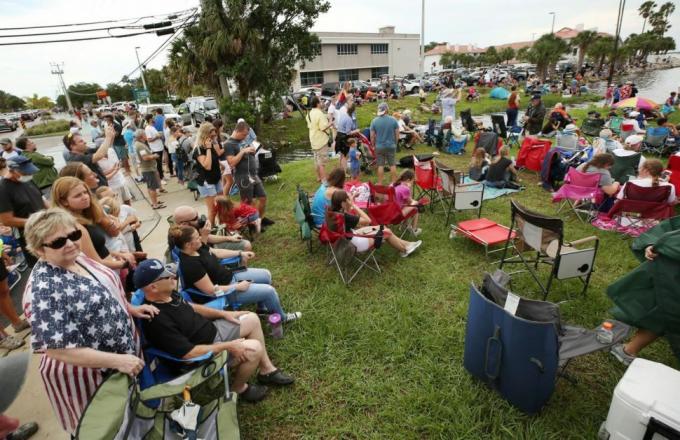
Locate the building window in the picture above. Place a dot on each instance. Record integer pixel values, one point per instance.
(311, 78)
(376, 72)
(347, 49)
(378, 48)
(348, 75)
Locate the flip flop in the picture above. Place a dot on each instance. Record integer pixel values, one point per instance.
(11, 342)
(159, 206)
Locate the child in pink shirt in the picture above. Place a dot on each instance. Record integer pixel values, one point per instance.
(402, 189)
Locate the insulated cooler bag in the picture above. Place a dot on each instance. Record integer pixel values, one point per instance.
(645, 405)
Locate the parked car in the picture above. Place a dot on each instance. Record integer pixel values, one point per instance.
(203, 109)
(330, 88)
(7, 125)
(168, 111)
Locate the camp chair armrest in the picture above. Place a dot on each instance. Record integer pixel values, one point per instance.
(161, 354)
(195, 292)
(583, 240)
(464, 185)
(230, 260)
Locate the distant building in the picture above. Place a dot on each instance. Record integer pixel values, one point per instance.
(347, 56)
(433, 56)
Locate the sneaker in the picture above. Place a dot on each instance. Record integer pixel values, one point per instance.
(11, 342)
(293, 316)
(23, 325)
(267, 222)
(416, 232)
(620, 354)
(276, 377)
(410, 248)
(23, 432)
(254, 393)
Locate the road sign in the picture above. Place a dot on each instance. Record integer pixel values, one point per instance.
(101, 94)
(140, 94)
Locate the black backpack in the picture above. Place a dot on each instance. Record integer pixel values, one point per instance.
(183, 148)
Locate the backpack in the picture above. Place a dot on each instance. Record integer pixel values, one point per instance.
(183, 149)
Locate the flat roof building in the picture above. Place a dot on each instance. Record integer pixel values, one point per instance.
(347, 56)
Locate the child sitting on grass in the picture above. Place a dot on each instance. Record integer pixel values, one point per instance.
(237, 215)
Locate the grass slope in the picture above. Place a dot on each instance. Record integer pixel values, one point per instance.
(383, 358)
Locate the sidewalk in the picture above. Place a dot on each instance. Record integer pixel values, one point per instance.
(32, 403)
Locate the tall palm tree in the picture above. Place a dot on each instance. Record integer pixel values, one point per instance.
(546, 52)
(583, 40)
(646, 10)
(600, 49)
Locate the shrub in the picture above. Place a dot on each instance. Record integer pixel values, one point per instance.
(59, 126)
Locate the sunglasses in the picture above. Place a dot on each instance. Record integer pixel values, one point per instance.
(61, 241)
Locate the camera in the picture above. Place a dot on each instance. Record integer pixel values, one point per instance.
(202, 220)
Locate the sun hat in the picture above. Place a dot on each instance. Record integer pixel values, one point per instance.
(634, 139)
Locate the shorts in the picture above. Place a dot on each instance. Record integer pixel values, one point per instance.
(361, 243)
(232, 245)
(226, 331)
(124, 193)
(321, 156)
(386, 157)
(254, 190)
(210, 189)
(226, 169)
(152, 179)
(341, 146)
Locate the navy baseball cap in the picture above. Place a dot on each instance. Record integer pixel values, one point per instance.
(22, 164)
(149, 271)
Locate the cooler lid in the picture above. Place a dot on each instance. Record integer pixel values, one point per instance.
(651, 386)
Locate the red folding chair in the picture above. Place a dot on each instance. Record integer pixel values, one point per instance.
(485, 232)
(626, 130)
(640, 204)
(532, 152)
(384, 210)
(579, 189)
(426, 180)
(674, 170)
(343, 254)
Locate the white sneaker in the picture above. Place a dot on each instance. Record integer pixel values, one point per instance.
(416, 232)
(410, 248)
(293, 316)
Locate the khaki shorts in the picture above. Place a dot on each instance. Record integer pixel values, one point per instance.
(386, 157)
(321, 156)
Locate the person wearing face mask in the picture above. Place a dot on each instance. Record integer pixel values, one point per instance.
(19, 198)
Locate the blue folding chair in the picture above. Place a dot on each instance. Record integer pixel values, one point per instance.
(220, 302)
(514, 134)
(156, 371)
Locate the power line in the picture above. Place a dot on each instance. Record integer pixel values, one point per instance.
(137, 19)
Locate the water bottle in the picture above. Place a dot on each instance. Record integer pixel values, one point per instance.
(275, 326)
(605, 335)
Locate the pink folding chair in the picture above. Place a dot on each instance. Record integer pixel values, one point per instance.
(580, 190)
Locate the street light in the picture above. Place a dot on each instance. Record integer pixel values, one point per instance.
(552, 29)
(141, 70)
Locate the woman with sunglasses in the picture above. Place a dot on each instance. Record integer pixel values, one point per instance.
(82, 324)
(73, 195)
(206, 153)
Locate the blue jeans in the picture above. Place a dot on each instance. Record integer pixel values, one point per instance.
(179, 166)
(260, 290)
(512, 116)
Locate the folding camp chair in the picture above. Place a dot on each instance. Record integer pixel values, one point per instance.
(673, 168)
(485, 232)
(532, 152)
(615, 124)
(384, 210)
(567, 145)
(498, 124)
(545, 236)
(457, 196)
(624, 167)
(514, 134)
(426, 180)
(591, 127)
(219, 301)
(580, 189)
(488, 140)
(468, 122)
(655, 140)
(343, 254)
(627, 129)
(521, 347)
(303, 217)
(641, 204)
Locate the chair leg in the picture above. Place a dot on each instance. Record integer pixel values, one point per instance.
(547, 287)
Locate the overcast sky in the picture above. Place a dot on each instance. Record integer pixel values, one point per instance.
(25, 70)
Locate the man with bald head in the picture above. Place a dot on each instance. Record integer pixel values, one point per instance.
(186, 215)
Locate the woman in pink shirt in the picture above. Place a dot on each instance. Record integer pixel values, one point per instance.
(402, 189)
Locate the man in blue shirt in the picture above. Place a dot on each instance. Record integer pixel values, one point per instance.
(345, 129)
(129, 136)
(159, 121)
(385, 135)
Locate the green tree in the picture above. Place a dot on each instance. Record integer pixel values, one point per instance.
(449, 59)
(600, 50)
(119, 92)
(506, 54)
(10, 103)
(491, 55)
(82, 92)
(546, 52)
(432, 44)
(646, 9)
(659, 20)
(466, 59)
(34, 102)
(583, 40)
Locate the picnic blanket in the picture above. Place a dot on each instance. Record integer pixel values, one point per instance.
(625, 226)
(490, 192)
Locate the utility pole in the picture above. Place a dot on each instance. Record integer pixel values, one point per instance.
(422, 38)
(619, 22)
(141, 71)
(552, 28)
(58, 69)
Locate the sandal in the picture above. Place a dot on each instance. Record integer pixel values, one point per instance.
(11, 342)
(159, 206)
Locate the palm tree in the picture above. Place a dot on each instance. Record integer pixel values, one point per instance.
(583, 40)
(646, 10)
(659, 19)
(506, 54)
(600, 49)
(546, 52)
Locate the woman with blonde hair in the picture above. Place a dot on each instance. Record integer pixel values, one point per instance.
(73, 195)
(649, 175)
(206, 155)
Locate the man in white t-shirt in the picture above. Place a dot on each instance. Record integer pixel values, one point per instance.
(631, 146)
(155, 140)
(8, 150)
(631, 119)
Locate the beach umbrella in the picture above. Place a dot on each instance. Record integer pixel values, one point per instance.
(638, 102)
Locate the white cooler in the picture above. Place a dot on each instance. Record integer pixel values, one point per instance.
(645, 405)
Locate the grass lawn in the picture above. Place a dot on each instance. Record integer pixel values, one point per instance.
(383, 358)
